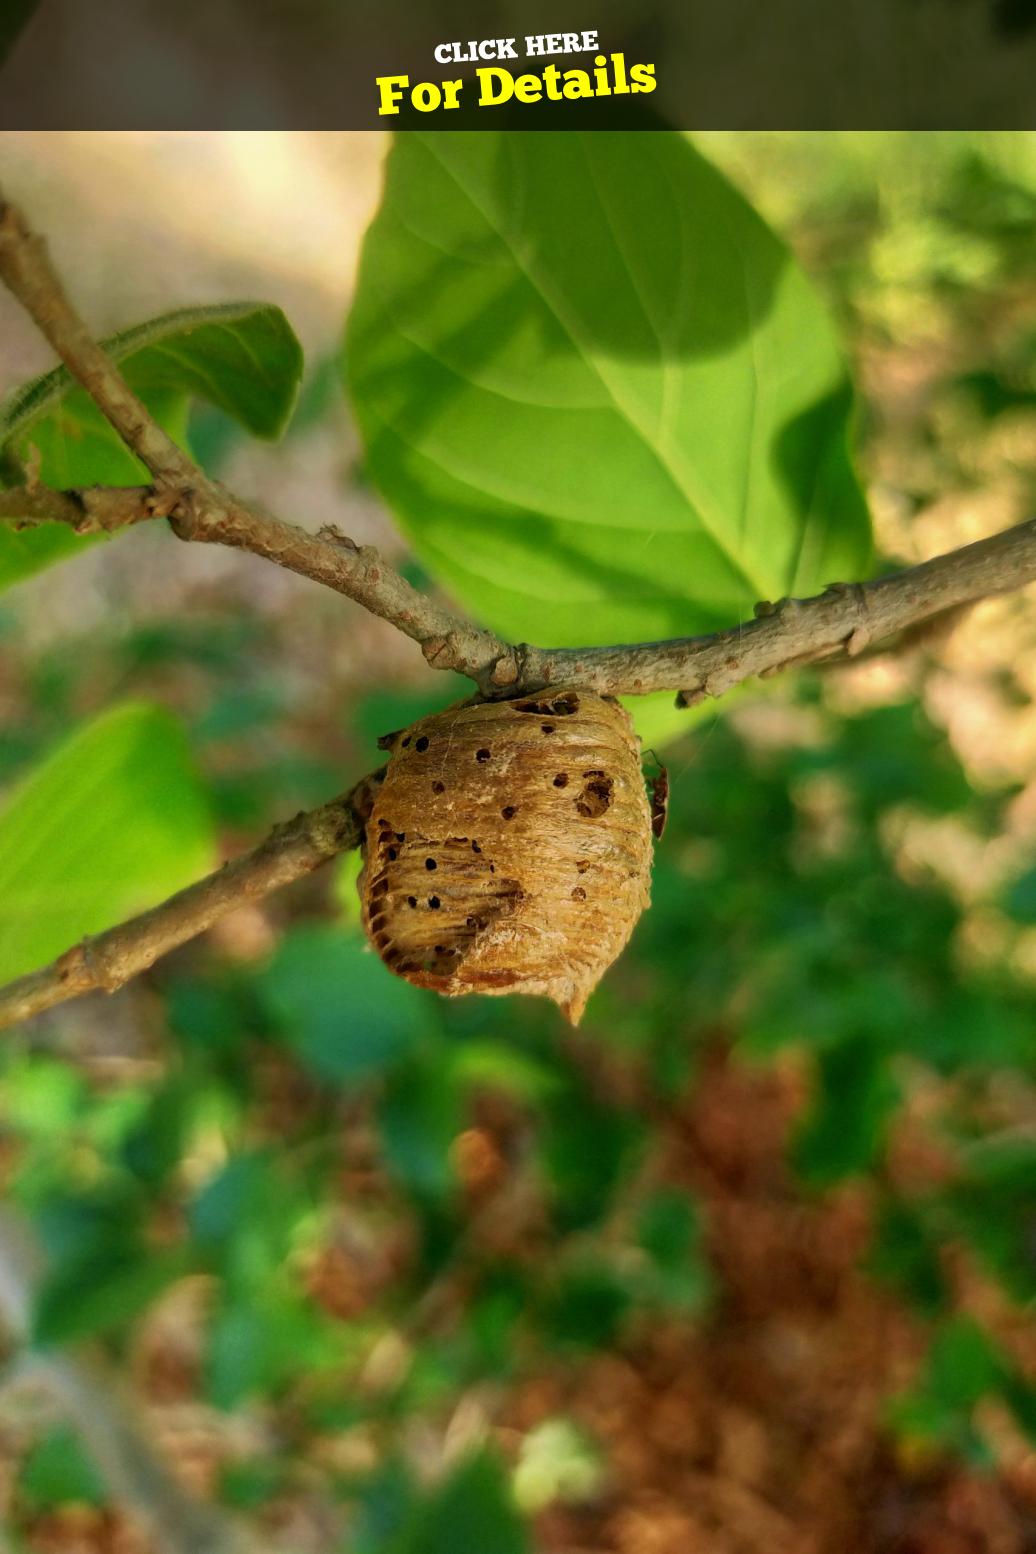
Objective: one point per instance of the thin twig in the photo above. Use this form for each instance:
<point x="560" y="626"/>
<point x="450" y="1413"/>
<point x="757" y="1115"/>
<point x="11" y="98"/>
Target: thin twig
<point x="86" y="509"/>
<point x="110" y="959"/>
<point x="845" y="619"/>
<point x="201" y="509"/>
<point x="28" y="274"/>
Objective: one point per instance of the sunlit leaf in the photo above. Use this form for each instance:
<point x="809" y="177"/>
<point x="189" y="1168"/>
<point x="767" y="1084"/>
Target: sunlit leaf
<point x="600" y="396"/>
<point x="241" y="357"/>
<point x="112" y="821"/>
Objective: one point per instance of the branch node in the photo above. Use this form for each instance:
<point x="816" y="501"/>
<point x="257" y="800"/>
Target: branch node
<point x="151" y="501"/>
<point x="84" y="523"/>
<point x="95" y="967"/>
<point x="334" y="536"/>
<point x="32" y="464"/>
<point x="183" y="515"/>
<point x="507" y="668"/>
<point x="440" y="652"/>
<point x="861" y="635"/>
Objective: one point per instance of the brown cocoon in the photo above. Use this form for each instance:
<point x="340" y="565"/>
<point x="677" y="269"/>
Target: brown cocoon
<point x="508" y="849"/>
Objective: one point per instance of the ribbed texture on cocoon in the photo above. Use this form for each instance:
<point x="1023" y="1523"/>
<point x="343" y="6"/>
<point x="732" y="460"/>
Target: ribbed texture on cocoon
<point x="508" y="849"/>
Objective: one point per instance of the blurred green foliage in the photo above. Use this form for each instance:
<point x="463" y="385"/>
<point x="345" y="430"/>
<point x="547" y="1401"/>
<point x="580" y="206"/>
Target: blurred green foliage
<point x="753" y="932"/>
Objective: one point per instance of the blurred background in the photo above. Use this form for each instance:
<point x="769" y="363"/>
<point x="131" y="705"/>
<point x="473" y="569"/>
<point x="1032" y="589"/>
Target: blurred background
<point x="747" y="1264"/>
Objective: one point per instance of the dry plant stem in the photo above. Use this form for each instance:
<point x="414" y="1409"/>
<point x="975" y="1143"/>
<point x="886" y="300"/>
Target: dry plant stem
<point x="87" y="510"/>
<point x="845" y="619"/>
<point x="110" y="959"/>
<point x="199" y="508"/>
<point x="27" y="273"/>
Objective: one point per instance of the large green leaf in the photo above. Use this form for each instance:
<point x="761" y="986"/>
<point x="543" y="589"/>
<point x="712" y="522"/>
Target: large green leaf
<point x="241" y="357"/>
<point x="110" y="823"/>
<point x="596" y="389"/>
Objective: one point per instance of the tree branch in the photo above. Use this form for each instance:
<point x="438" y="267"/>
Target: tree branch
<point x="111" y="958"/>
<point x="28" y="274"/>
<point x="199" y="508"/>
<point x="845" y="619"/>
<point x="87" y="509"/>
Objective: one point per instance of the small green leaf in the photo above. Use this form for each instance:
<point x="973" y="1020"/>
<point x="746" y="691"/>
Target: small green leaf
<point x="587" y="1307"/>
<point x="557" y="1462"/>
<point x="241" y="357"/>
<point x="964" y="1365"/>
<point x="344" y="1014"/>
<point x="1020" y="1396"/>
<point x="228" y="1198"/>
<point x="668" y="1226"/>
<point x="210" y="1017"/>
<point x="154" y="1146"/>
<point x="990" y="1206"/>
<point x="668" y="1231"/>
<point x="587" y="1149"/>
<point x="248" y="1485"/>
<point x="599" y="394"/>
<point x="41" y="1096"/>
<point x="27" y="551"/>
<point x="346" y="895"/>
<point x="238" y="1359"/>
<point x="501" y="1066"/>
<point x="845" y="1129"/>
<point x="906" y="1253"/>
<point x="257" y="1342"/>
<point x="111" y="822"/>
<point x="385" y="1503"/>
<point x="101" y="1289"/>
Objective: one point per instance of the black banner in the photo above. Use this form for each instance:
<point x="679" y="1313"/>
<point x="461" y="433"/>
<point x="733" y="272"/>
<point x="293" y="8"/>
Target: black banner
<point x="448" y="64"/>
